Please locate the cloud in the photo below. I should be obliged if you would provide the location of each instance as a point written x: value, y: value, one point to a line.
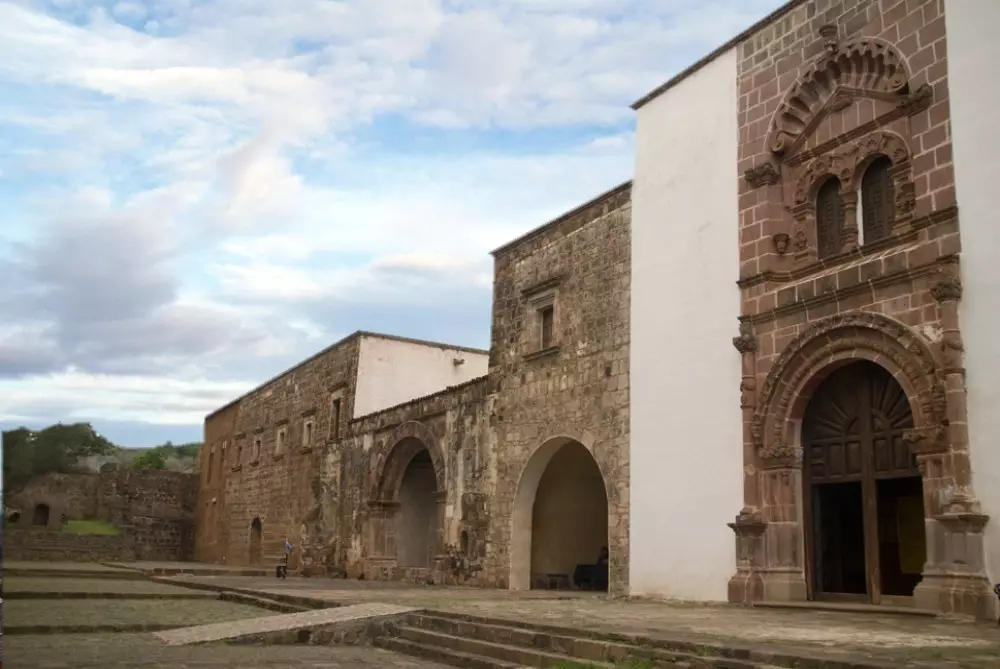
x: 197, y: 195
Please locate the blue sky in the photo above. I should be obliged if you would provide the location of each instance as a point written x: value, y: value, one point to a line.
x: 194, y: 194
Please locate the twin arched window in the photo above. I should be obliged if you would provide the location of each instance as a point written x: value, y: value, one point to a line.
x: 876, y: 208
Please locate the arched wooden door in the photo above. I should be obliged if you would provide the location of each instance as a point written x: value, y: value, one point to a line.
x: 864, y: 494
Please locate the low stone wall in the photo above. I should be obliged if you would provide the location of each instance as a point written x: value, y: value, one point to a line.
x: 40, y: 544
x: 161, y: 539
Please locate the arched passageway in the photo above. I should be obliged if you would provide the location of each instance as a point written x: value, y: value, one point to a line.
x: 864, y: 505
x: 255, y: 550
x: 416, y: 520
x: 41, y: 515
x: 560, y: 523
x: 406, y: 514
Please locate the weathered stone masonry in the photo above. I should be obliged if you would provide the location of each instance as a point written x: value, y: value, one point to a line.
x: 338, y: 499
x: 826, y: 89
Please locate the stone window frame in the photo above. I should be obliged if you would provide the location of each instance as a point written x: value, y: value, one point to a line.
x: 308, y: 432
x: 238, y: 441
x: 258, y: 446
x: 280, y: 439
x: 541, y: 298
x: 337, y: 404
x: 848, y: 164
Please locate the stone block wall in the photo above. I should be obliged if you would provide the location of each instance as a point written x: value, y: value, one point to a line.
x: 282, y: 487
x: 55, y: 546
x: 576, y: 388
x: 337, y: 497
x: 74, y: 495
x: 153, y: 509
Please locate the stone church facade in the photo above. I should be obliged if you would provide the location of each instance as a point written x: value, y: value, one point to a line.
x: 510, y: 478
x: 852, y: 194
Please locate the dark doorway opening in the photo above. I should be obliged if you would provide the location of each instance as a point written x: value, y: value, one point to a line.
x: 902, y: 543
x: 256, y: 541
x: 41, y: 515
x: 840, y: 522
x: 864, y: 501
x: 416, y: 523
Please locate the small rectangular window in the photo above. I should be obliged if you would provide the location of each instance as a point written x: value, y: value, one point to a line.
x: 279, y: 446
x: 256, y: 449
x: 547, y: 320
x: 307, y: 434
x: 335, y: 419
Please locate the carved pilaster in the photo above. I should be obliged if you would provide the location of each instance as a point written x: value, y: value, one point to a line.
x: 747, y: 585
x: 746, y: 344
x: 849, y: 234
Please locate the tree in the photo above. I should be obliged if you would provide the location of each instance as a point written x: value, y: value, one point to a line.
x: 151, y: 458
x: 57, y: 448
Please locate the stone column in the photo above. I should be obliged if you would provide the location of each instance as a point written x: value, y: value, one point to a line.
x: 849, y: 233
x: 747, y: 584
x: 954, y: 579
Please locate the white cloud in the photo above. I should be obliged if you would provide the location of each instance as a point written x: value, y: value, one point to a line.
x: 208, y: 191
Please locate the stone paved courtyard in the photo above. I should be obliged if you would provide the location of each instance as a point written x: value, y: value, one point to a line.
x: 919, y: 640
x: 37, y: 599
x: 905, y: 641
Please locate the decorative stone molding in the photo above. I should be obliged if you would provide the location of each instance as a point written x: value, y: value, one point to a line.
x: 762, y: 175
x: 866, y: 67
x: 781, y: 241
x: 948, y: 288
x: 917, y: 101
x: 849, y: 163
x: 925, y: 440
x: 745, y: 342
x: 856, y: 335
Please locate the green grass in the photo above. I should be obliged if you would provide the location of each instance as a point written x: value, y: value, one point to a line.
x: 90, y: 527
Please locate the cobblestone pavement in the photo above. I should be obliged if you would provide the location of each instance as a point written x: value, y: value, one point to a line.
x: 142, y: 651
x: 20, y: 612
x: 888, y: 637
x: 40, y: 584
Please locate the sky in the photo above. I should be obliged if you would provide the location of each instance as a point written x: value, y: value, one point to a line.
x: 196, y: 194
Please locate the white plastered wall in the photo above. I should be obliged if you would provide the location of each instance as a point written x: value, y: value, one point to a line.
x: 686, y: 434
x: 973, y: 51
x: 391, y: 371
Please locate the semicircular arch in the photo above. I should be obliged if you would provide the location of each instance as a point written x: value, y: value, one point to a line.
x: 392, y: 459
x: 868, y: 67
x: 524, y: 499
x: 830, y: 344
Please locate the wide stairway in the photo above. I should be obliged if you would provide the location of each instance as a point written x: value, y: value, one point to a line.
x: 481, y: 643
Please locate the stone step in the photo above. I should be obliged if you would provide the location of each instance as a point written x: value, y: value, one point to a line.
x: 516, y: 654
x: 261, y: 602
x: 592, y: 646
x: 283, y: 624
x: 441, y: 654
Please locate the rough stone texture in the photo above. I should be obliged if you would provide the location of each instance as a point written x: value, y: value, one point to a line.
x: 893, y: 300
x: 153, y: 509
x: 281, y: 489
x: 337, y: 500
x: 28, y: 544
x: 74, y: 495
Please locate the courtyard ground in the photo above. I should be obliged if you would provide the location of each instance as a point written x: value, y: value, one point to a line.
x: 41, y: 612
x: 89, y: 595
